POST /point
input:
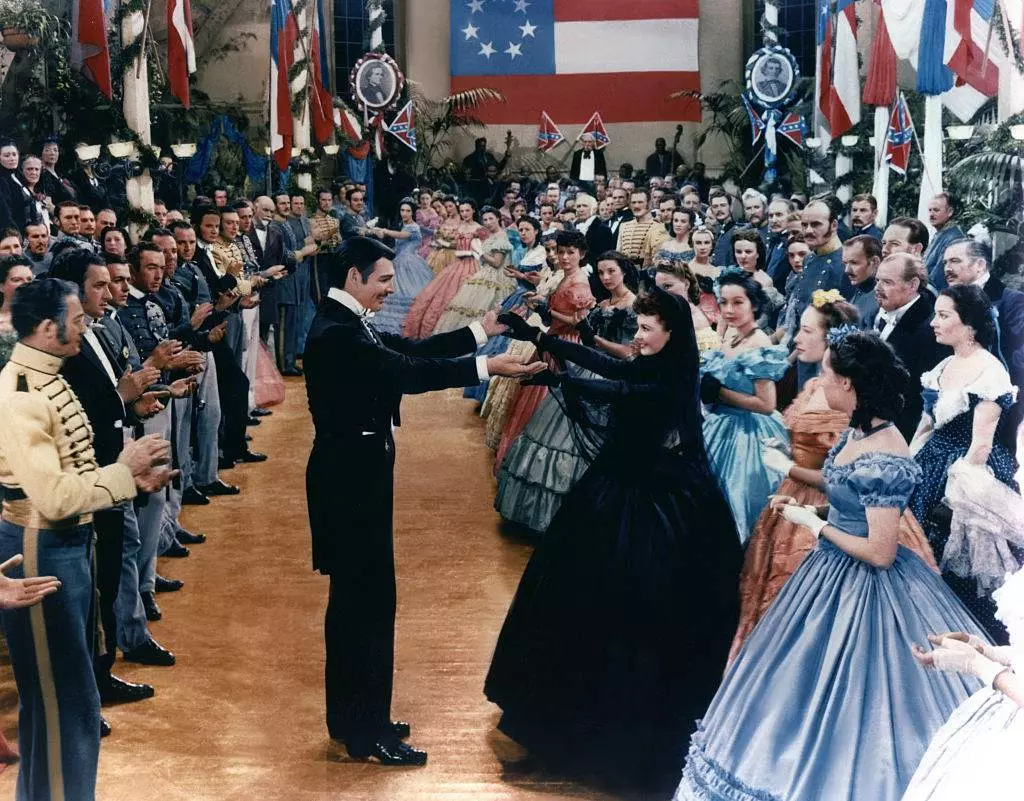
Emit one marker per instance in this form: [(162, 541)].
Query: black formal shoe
[(149, 604), (252, 456), (388, 752), (219, 487), (253, 421), (104, 727), (291, 372), (150, 653), (193, 497), (225, 464), (176, 551), (259, 411), (168, 585), (188, 538), (119, 691)]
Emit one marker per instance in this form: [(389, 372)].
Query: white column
[(881, 186), (931, 179), (771, 16), (301, 122), (136, 108), (844, 166)]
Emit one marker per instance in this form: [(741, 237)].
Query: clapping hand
[(147, 405), (19, 593), (518, 328), (775, 459), (162, 354), (132, 384), (183, 387), (955, 656), (203, 310), (804, 516), (189, 360)]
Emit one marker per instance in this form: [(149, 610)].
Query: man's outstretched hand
[(18, 593), (518, 328), (510, 366), (490, 324)]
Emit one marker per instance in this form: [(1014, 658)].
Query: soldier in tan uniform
[(326, 232), (52, 485), (633, 234)]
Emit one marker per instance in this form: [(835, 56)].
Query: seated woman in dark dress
[(619, 631)]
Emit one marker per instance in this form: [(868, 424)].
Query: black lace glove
[(545, 378), (710, 387), (587, 335), (518, 328)]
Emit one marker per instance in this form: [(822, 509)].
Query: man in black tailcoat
[(355, 379)]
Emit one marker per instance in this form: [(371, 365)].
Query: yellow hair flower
[(820, 297)]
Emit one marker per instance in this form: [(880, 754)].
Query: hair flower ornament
[(836, 336), (822, 297)]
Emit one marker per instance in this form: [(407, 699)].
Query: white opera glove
[(804, 516), (776, 460), (997, 653), (954, 656)]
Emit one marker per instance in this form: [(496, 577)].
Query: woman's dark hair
[(975, 310), (690, 215), (630, 275), (489, 210), (755, 294), (120, 230), (533, 222), (838, 313), (38, 301), (657, 304), (682, 271), (407, 202), (8, 263), (878, 376), (571, 239), (755, 237)]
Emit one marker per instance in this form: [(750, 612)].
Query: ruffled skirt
[(825, 700), (481, 293), (733, 441), (430, 303)]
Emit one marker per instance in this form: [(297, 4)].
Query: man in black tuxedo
[(355, 379), (268, 241), (904, 321), (966, 262), (587, 164)]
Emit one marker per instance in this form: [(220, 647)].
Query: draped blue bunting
[(199, 164), (360, 170), (933, 76)]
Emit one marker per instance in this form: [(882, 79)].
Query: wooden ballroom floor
[(240, 717)]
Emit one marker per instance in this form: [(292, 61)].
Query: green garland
[(1013, 46), (134, 215), (129, 51)]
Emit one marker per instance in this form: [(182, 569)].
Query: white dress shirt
[(587, 166), (889, 320), (354, 306)]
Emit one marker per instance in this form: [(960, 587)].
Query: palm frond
[(471, 98)]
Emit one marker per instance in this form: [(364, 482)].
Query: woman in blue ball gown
[(738, 384), (412, 273), (965, 397), (619, 630), (825, 699)]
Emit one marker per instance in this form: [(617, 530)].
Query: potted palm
[(24, 23)]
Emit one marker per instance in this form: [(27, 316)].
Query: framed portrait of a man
[(376, 82), (772, 75)]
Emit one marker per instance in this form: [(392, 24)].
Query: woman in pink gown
[(567, 306), (428, 220), (430, 304)]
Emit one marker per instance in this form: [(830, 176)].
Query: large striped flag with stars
[(570, 57)]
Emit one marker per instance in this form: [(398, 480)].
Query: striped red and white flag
[(181, 48), (566, 56), (90, 53)]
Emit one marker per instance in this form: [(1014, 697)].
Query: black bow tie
[(261, 226)]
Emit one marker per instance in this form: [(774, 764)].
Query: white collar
[(135, 292), (982, 280), (896, 314), (349, 302)]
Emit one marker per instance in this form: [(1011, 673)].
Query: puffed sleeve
[(764, 363), (885, 480), (413, 230), (994, 385), (580, 297)]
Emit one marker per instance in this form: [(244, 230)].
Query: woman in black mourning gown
[(618, 634)]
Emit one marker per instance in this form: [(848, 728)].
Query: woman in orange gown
[(567, 306), (777, 547)]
